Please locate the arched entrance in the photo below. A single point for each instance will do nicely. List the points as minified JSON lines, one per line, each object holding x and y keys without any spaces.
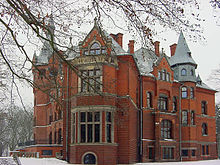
{"x":89,"y":158}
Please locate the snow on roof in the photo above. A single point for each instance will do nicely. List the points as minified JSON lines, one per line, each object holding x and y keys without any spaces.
{"x":145,"y":59}
{"x":182,"y":54}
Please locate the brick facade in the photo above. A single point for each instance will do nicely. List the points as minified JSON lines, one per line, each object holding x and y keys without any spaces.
{"x":112,"y":113}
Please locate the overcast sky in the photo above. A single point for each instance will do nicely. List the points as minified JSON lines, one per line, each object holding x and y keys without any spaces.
{"x":206,"y":54}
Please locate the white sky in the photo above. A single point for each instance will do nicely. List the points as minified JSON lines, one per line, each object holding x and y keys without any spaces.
{"x":206,"y":54}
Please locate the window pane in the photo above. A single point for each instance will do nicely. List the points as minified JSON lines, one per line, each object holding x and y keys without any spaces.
{"x":193,"y":152}
{"x":89,"y":133}
{"x":89,"y":116}
{"x":97,"y":132}
{"x":151,"y":153}
{"x":97,"y":116}
{"x":184,"y":152}
{"x":82,"y":116}
{"x":83,"y":133}
{"x":109,"y":133}
{"x":207,"y":150}
{"x":108,"y":117}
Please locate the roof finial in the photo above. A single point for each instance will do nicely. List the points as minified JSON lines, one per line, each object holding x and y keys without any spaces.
{"x":95,"y":21}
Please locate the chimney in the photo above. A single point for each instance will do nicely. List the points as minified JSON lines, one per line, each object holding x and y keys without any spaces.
{"x":157,"y":48}
{"x":131,"y":46}
{"x":118,"y":38}
{"x":172,"y":49}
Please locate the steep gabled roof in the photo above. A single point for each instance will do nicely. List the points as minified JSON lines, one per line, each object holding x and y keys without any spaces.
{"x":182,"y":54}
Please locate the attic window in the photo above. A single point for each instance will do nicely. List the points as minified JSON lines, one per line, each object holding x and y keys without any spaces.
{"x":95,"y":49}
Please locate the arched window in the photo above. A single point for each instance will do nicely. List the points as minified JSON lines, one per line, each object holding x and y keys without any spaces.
{"x":163,"y":103}
{"x":149,"y":100}
{"x":184,"y":92}
{"x":183,"y":72}
{"x":166,"y":129}
{"x":95,"y":49}
{"x":164,"y":75}
{"x":174,"y":104}
{"x":204,"y":129}
{"x":168,"y":77}
{"x":89,"y":159}
{"x":204,"y":107}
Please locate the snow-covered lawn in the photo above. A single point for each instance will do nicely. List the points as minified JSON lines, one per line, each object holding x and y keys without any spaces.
{"x":53,"y":161}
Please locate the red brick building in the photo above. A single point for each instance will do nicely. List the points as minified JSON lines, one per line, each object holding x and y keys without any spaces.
{"x":118,"y":107}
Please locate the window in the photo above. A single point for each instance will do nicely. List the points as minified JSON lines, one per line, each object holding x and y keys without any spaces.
{"x":90,"y":127}
{"x":95,"y":49}
{"x":168,"y":153}
{"x":191,"y":93}
{"x":166,"y":129}
{"x":90,"y":80}
{"x":174,"y":104}
{"x":204,"y":107}
{"x":204,"y":129}
{"x":185,"y":152}
{"x":50,"y":119}
{"x":193,"y":152}
{"x":184,"y":118}
{"x":168,"y":77}
{"x":184,"y":92}
{"x":192,"y":118}
{"x":160,"y":75}
{"x":89,"y":159}
{"x":151,"y":153}
{"x":55,"y":137}
{"x":163,"y":103}
{"x":183,"y":72}
{"x":191,"y":72}
{"x":109,"y":127}
{"x":205,"y":149}
{"x":149,"y":100}
{"x":164,"y":75}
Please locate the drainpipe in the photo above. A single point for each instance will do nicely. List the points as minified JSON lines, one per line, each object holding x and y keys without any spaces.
{"x":67,"y":109}
{"x":180,"y":123}
{"x":141,"y":119}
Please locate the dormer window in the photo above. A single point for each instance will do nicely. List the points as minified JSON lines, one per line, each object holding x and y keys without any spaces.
{"x":189,"y":54}
{"x":95,"y":49}
{"x":192,"y":72}
{"x":183,"y":72}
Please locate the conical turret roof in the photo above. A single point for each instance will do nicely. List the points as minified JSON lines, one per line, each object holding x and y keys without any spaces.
{"x":182,"y":54}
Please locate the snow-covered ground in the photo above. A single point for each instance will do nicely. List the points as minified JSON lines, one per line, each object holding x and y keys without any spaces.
{"x":53,"y":161}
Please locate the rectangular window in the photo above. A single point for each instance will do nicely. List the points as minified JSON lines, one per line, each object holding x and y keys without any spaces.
{"x":184,"y":118}
{"x":163,"y":103}
{"x":207,"y":149}
{"x":90,"y":127}
{"x":192,"y":118}
{"x":151,"y":153}
{"x":184,"y":152}
{"x":90,"y":80}
{"x":191,"y":93}
{"x":193,"y":152}
{"x":168,"y":153}
{"x":109,"y":127}
{"x":203,"y":150}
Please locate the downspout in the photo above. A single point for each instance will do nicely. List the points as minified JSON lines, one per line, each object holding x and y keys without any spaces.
{"x":141,"y":119}
{"x":180,"y":123}
{"x":67,"y":109}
